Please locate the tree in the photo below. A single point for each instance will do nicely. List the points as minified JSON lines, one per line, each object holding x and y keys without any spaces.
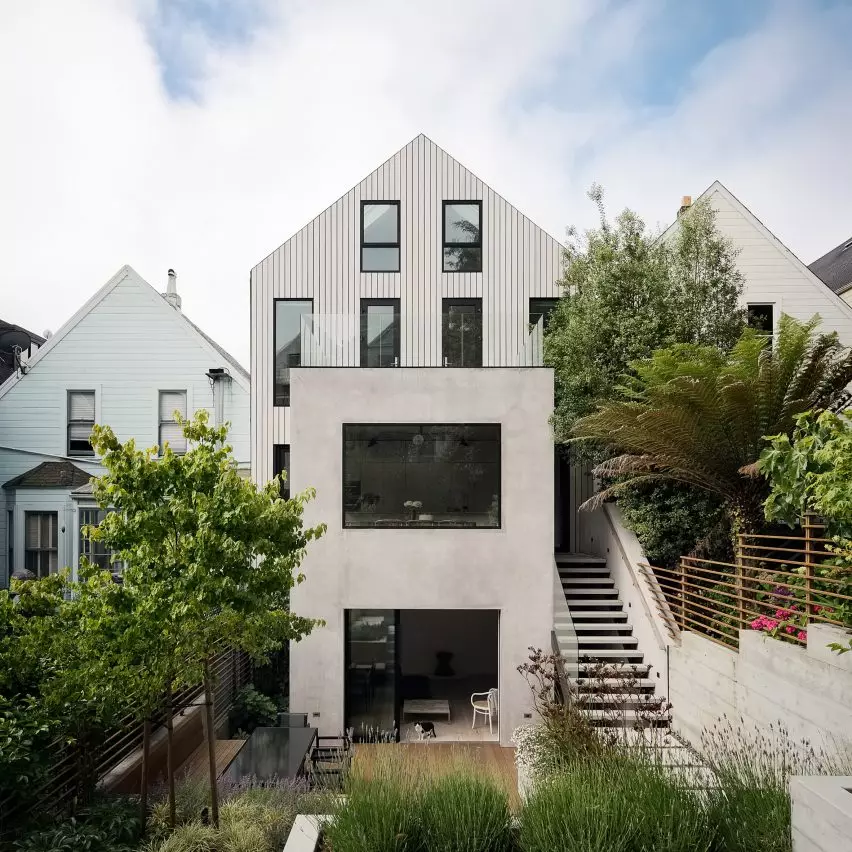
{"x":211,"y":557}
{"x":628,"y":293}
{"x":694,"y":415}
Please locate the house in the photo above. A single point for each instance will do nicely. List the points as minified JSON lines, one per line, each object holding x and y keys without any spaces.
{"x":17,"y":345}
{"x":835,"y":269}
{"x":128,"y":358}
{"x":395,"y":350}
{"x":776,"y":281}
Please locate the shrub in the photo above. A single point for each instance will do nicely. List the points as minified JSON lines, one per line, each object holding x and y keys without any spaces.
{"x":461,"y":813}
{"x":252,"y":709}
{"x":613,"y":804}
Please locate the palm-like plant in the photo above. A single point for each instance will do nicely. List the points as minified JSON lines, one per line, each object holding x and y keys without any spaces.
{"x":696,"y":415}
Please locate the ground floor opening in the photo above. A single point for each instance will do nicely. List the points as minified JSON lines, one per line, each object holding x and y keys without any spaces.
{"x":407,"y":667}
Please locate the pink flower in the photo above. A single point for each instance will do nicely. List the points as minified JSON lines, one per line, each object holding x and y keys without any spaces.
{"x":783,"y":613}
{"x":769,"y":624}
{"x":790,"y":629}
{"x":802,"y":635}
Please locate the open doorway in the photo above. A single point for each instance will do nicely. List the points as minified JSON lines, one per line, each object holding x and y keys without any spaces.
{"x":423,"y":665}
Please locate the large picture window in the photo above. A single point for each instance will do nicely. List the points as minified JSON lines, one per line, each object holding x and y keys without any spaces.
{"x":379,"y":236}
{"x":379,"y":332}
{"x":462,"y":228}
{"x":289,"y":317}
{"x":461,"y":332}
{"x":434,"y":475}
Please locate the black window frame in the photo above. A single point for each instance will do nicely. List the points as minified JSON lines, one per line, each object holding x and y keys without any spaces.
{"x":279,"y":450}
{"x":445,"y":245}
{"x":420,"y":526}
{"x":397,"y":320}
{"x":552,"y":303}
{"x":69,"y":423}
{"x":397,"y":245}
{"x":275,"y":402}
{"x":476,"y":302}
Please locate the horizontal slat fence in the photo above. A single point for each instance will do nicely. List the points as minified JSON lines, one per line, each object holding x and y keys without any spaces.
{"x":778,"y":583}
{"x":76,"y":769}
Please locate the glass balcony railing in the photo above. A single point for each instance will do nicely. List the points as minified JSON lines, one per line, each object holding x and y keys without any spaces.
{"x":458,"y":337}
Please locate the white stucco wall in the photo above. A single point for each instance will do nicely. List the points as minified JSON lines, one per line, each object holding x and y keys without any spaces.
{"x":507,"y":569}
{"x":808,"y":689}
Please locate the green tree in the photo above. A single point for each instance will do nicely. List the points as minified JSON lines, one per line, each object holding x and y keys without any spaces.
{"x":627,"y":293}
{"x":694,"y":415}
{"x":211,"y":557}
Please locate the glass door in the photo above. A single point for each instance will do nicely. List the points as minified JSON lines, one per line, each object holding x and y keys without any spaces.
{"x":372,"y":707}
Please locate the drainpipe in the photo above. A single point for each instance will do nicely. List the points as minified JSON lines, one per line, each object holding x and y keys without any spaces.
{"x":219,"y":377}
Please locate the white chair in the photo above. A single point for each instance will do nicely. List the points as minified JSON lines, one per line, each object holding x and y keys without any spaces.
{"x":486,"y":707}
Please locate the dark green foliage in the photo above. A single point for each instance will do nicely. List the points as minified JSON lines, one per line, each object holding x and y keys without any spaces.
{"x":628,"y":292}
{"x":111,"y":825}
{"x":672,"y":520}
{"x":273,"y":677}
{"x":252,"y":709}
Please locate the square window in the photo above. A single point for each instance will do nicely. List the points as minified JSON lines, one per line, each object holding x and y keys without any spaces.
{"x":380,"y":236}
{"x":81,"y":419}
{"x":462,"y":228}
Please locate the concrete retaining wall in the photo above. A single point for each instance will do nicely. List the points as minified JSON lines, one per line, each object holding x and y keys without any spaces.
{"x":808,"y":689}
{"x":822,"y":814}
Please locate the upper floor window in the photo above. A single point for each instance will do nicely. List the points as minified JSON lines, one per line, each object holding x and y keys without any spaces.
{"x":171,"y":431}
{"x":379,"y":236}
{"x":541,"y":309}
{"x":761,"y":318}
{"x":421,"y":475}
{"x":81,"y":419}
{"x":41,"y":543}
{"x":462,"y":236}
{"x":96,"y":551}
{"x":379,"y":332}
{"x":461,"y":337}
{"x":281,"y":464}
{"x":290,"y":317}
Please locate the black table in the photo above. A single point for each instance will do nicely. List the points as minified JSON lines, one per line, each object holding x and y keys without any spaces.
{"x":272,"y":753}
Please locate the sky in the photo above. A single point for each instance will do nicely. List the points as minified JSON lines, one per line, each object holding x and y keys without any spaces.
{"x":201,"y":134}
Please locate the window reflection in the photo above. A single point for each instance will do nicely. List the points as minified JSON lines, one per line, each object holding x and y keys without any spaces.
{"x":289,"y":314}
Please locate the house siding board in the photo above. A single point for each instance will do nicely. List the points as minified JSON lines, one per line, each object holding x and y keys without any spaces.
{"x":322,"y":261}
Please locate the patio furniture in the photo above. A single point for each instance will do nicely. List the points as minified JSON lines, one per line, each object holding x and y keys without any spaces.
{"x":426,"y":707}
{"x":271,"y":753}
{"x":485,"y":704}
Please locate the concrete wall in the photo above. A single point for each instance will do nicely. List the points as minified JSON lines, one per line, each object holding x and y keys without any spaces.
{"x":810,"y":689}
{"x":603,"y":533}
{"x":822,"y":814}
{"x":507,"y":569}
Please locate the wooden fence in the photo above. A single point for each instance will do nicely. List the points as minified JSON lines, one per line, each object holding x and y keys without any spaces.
{"x":776,"y":583}
{"x":76,"y":769}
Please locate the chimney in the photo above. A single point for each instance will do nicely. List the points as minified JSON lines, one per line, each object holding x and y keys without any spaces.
{"x":685,"y":204}
{"x":171,"y":294}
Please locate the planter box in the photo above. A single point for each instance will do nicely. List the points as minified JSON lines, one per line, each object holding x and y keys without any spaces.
{"x":822,"y":813}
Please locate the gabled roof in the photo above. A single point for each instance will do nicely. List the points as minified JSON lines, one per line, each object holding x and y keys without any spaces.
{"x":239,"y":373}
{"x":835,"y":267}
{"x":51,"y":474}
{"x":718,"y":186}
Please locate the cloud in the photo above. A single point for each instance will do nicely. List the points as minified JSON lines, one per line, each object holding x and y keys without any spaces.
{"x":201,"y":134}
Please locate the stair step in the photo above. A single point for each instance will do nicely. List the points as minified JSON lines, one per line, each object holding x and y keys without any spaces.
{"x":579,"y":616}
{"x":641,"y":684}
{"x":609,"y":654}
{"x":583,"y":571}
{"x":612,"y":671}
{"x":590,"y":641}
{"x":578,"y":559}
{"x":579,"y":590}
{"x":586,"y":581}
{"x":602,"y":626}
{"x":646,"y":701}
{"x":583,"y":603}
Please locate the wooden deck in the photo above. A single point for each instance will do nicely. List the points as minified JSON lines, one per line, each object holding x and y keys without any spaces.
{"x":197,"y":765}
{"x":489,"y":760}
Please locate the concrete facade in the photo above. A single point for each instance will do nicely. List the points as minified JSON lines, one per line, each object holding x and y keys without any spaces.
{"x":507,"y":569}
{"x":809,"y":689}
{"x":822,"y":814}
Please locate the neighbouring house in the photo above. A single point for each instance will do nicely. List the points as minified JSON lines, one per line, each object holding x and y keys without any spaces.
{"x":17,"y":345}
{"x":129,"y":358}
{"x":835,"y":269}
{"x":776,"y":281}
{"x":397,"y":369}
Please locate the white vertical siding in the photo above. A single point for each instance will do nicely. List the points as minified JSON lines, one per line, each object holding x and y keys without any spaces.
{"x":322,"y":262}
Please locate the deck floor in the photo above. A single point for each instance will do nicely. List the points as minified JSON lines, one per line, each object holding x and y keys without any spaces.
{"x":197,"y":764}
{"x":432,"y":759}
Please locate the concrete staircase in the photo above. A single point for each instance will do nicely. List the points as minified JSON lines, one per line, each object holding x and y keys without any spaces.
{"x":614,"y":682}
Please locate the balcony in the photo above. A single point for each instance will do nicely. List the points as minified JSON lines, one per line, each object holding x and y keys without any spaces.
{"x":452,"y":338}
